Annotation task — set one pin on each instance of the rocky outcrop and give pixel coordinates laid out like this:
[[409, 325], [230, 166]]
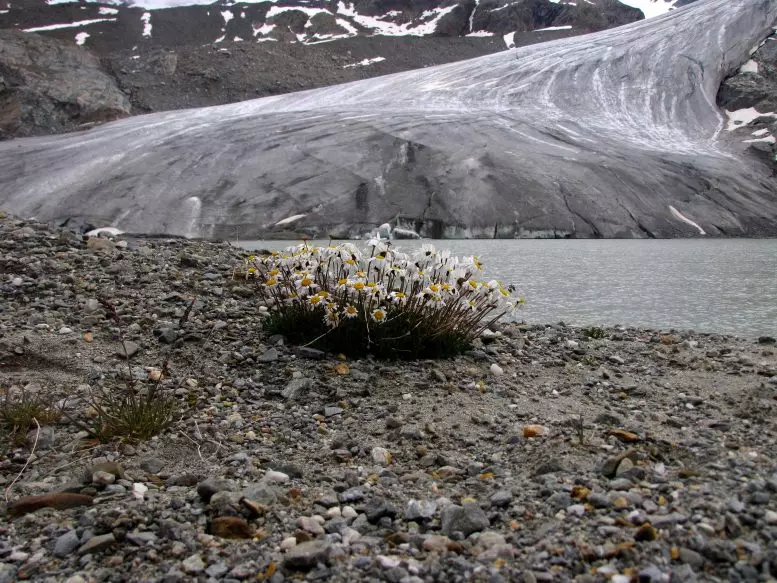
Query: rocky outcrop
[[615, 134], [47, 86], [749, 99]]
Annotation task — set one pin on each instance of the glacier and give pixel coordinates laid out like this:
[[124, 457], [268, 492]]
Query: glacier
[[613, 134]]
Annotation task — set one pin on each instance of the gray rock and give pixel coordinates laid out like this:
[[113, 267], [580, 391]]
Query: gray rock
[[261, 492], [97, 543], [307, 555], [141, 538], [377, 508], [57, 86], [420, 510], [465, 519], [296, 387], [193, 564], [355, 494], [599, 500], [207, 488], [66, 544], [332, 411], [131, 349], [7, 573], [152, 465], [270, 355], [501, 498]]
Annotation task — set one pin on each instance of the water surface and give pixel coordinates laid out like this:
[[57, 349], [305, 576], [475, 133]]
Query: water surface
[[708, 285]]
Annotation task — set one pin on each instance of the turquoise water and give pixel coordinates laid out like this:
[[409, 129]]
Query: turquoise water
[[708, 285]]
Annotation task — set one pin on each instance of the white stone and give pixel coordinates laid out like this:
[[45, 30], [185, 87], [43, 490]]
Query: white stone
[[771, 517], [16, 281], [496, 370], [274, 477], [288, 543], [349, 512], [65, 330]]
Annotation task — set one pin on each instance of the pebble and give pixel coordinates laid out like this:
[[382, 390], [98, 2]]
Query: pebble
[[465, 519], [193, 564], [66, 544]]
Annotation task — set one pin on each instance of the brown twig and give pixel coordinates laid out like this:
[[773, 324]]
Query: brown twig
[[27, 463]]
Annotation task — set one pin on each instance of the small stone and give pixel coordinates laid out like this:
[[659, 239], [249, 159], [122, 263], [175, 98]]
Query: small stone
[[530, 431], [193, 565], [332, 411], [771, 517], [380, 456], [377, 508], [207, 488], [465, 519], [270, 355], [97, 543], [501, 498], [598, 500], [310, 525], [436, 543], [288, 543], [65, 330], [231, 527], [420, 510], [273, 477], [307, 555], [152, 465], [129, 349], [296, 387], [355, 494], [349, 512], [496, 370], [66, 544], [623, 467]]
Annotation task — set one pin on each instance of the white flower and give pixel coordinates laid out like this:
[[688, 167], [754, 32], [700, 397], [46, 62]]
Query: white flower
[[379, 315]]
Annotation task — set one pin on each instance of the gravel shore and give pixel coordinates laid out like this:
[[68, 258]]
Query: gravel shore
[[544, 454]]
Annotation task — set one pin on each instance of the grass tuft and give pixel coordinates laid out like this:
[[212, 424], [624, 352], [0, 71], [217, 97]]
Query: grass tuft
[[18, 415]]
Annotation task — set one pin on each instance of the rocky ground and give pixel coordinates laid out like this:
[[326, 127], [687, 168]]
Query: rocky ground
[[542, 455]]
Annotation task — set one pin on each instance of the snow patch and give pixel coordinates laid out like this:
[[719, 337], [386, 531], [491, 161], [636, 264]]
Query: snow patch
[[104, 10], [227, 16], [109, 231], [509, 39], [749, 67], [365, 62], [651, 8], [766, 140], [678, 215], [762, 132], [742, 117], [146, 20], [264, 30], [481, 33], [275, 10], [289, 220], [81, 38], [566, 27], [69, 24], [423, 25]]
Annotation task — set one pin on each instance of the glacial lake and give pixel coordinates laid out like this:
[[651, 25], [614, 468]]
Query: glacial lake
[[708, 285]]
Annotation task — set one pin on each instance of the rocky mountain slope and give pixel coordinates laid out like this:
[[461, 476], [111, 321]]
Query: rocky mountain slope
[[615, 134], [47, 84], [176, 54]]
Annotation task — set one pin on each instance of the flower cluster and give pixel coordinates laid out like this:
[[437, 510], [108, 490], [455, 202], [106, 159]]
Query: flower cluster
[[377, 286]]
